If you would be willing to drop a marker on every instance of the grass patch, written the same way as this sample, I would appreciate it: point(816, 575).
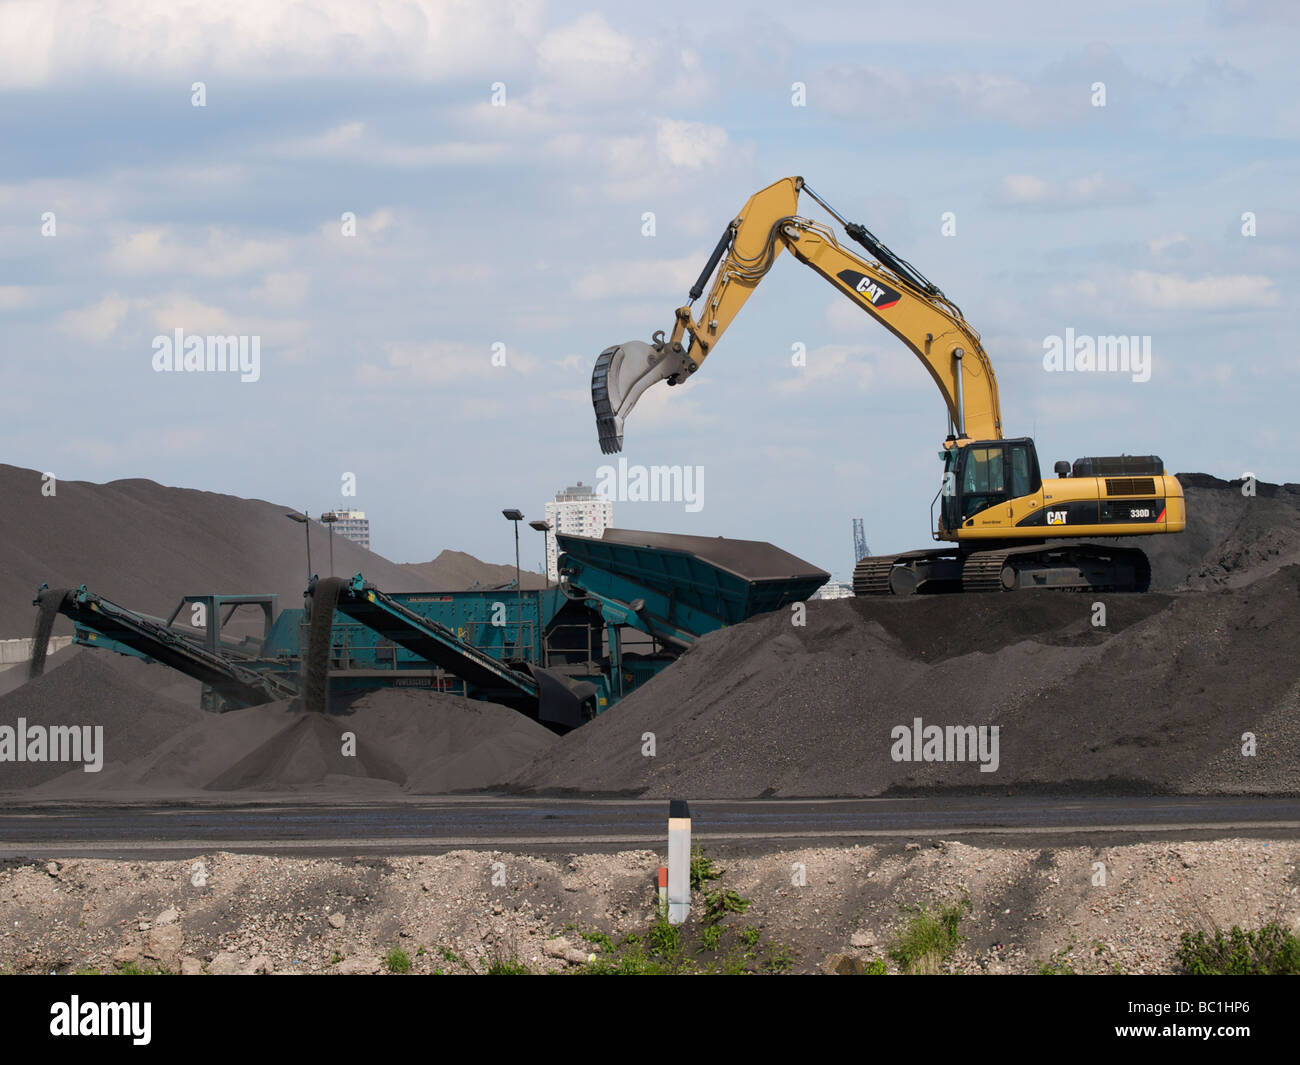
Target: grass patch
point(1271, 951)
point(508, 967)
point(702, 869)
point(130, 968)
point(929, 938)
point(717, 904)
point(667, 949)
point(398, 961)
point(711, 937)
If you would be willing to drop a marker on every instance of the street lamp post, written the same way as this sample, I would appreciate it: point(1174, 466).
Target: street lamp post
point(516, 515)
point(306, 524)
point(544, 527)
point(329, 519)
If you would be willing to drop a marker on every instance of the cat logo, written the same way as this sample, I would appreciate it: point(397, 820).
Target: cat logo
point(879, 295)
point(1056, 517)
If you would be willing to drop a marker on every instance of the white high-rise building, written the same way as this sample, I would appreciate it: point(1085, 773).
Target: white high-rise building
point(579, 511)
point(833, 590)
point(353, 525)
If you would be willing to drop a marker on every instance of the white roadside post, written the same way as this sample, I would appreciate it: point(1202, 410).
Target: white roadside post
point(679, 861)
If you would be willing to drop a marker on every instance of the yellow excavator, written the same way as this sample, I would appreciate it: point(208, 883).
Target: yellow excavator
point(1009, 527)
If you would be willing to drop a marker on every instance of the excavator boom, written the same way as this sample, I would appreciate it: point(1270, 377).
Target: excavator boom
point(887, 288)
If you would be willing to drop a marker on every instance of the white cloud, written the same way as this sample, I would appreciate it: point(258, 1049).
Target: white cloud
point(833, 368)
point(353, 142)
point(98, 321)
point(217, 254)
point(46, 41)
point(588, 65)
point(1149, 290)
point(1175, 244)
point(12, 297)
point(589, 50)
point(640, 277)
point(179, 310)
point(284, 289)
point(1169, 292)
point(1029, 190)
point(440, 362)
point(690, 144)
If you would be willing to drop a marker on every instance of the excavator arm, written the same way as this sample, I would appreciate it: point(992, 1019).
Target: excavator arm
point(884, 286)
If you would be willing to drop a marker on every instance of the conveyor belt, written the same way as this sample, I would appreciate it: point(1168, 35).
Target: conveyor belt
point(236, 683)
point(433, 642)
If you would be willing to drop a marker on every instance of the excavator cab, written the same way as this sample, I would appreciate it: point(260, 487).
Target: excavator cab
point(983, 474)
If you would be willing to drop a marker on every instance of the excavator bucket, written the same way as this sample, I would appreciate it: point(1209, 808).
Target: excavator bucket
point(622, 373)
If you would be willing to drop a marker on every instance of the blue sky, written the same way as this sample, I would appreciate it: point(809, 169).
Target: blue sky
point(522, 225)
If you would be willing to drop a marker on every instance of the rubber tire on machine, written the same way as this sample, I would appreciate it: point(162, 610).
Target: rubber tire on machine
point(50, 600)
point(316, 660)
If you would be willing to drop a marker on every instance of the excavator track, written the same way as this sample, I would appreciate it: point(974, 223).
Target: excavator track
point(871, 575)
point(981, 571)
point(1065, 567)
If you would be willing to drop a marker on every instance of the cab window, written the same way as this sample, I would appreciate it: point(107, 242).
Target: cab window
point(983, 470)
point(1020, 479)
point(983, 480)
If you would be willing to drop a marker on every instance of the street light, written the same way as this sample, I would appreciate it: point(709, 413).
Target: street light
point(329, 519)
point(544, 527)
point(516, 515)
point(302, 520)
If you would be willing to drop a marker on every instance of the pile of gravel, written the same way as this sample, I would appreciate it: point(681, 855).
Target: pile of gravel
point(454, 571)
point(1157, 701)
point(145, 545)
point(401, 741)
point(89, 688)
point(1231, 539)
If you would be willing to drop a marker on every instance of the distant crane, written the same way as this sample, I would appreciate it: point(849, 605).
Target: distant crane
point(860, 549)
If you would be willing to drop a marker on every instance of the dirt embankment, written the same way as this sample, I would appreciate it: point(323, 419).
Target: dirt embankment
point(1102, 909)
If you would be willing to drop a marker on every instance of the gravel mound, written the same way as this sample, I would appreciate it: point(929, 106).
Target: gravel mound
point(145, 545)
point(455, 571)
point(1230, 539)
point(90, 689)
point(1156, 702)
point(422, 743)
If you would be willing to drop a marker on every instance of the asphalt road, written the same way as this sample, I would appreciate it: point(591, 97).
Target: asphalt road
point(531, 825)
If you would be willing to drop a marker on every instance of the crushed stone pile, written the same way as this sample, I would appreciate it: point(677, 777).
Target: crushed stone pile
point(456, 571)
point(90, 689)
point(1156, 702)
point(145, 545)
point(403, 741)
point(1231, 538)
